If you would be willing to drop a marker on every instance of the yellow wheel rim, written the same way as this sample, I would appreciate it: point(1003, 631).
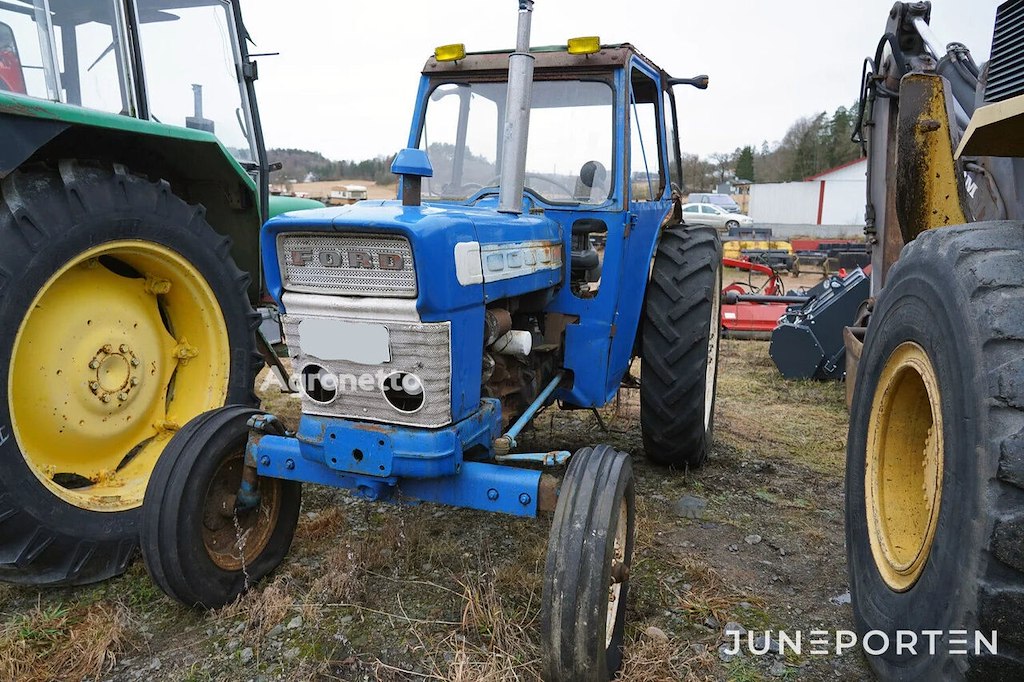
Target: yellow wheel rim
point(904, 461)
point(121, 347)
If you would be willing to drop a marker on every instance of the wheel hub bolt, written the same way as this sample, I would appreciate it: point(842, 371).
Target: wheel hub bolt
point(114, 373)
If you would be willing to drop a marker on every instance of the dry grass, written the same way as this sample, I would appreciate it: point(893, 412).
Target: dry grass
point(651, 660)
point(260, 609)
point(709, 594)
point(495, 642)
point(57, 642)
point(759, 411)
point(411, 593)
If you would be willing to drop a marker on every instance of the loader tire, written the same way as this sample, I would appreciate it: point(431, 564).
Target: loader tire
point(679, 347)
point(935, 458)
point(122, 316)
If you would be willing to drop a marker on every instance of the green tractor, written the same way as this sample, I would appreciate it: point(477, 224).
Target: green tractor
point(133, 182)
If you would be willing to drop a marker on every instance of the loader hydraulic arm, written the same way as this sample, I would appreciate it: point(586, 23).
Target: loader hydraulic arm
point(917, 98)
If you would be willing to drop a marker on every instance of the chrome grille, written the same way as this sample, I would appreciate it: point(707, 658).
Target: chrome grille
point(349, 265)
point(421, 348)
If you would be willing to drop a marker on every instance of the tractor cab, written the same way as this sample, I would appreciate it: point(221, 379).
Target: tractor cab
point(602, 149)
point(596, 140)
point(176, 62)
point(164, 87)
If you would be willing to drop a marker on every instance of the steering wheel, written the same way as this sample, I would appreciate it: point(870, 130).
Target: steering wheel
point(496, 181)
point(553, 183)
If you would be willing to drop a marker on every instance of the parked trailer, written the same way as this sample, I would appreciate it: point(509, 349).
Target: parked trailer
point(346, 194)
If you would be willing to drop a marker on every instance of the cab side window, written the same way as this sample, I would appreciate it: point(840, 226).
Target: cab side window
point(646, 173)
point(25, 67)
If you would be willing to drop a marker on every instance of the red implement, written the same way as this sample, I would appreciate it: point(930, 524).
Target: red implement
point(747, 319)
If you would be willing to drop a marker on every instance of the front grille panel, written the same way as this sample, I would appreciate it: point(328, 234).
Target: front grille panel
point(421, 348)
point(347, 265)
point(1006, 67)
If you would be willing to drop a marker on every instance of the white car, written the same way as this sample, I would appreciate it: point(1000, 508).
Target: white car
point(709, 214)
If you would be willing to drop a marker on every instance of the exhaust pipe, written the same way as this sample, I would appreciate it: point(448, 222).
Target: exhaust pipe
point(517, 116)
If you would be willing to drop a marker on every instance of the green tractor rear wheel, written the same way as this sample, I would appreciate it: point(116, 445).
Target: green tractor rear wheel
point(122, 316)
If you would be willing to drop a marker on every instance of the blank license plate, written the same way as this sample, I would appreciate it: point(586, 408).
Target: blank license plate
point(359, 342)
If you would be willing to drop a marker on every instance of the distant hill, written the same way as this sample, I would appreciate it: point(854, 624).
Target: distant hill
point(300, 164)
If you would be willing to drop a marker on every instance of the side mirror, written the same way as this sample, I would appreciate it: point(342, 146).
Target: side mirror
point(12, 77)
point(699, 82)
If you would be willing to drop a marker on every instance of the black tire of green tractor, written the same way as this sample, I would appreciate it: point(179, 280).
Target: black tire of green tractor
point(48, 216)
point(957, 292)
point(576, 645)
point(172, 522)
point(678, 341)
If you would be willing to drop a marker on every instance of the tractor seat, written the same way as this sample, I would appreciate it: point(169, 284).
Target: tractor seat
point(592, 185)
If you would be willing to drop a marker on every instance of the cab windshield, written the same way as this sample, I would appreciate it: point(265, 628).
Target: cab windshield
point(569, 157)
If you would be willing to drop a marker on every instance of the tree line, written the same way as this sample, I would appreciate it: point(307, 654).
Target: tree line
point(298, 165)
point(811, 145)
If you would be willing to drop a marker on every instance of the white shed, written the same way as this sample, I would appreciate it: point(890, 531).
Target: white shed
point(835, 197)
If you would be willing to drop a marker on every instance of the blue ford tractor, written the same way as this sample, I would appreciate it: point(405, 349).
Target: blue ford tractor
point(426, 333)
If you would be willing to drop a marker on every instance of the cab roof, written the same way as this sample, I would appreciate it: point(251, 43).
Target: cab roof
point(548, 57)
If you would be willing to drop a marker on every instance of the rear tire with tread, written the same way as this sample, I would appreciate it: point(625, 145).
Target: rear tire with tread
point(681, 314)
point(48, 216)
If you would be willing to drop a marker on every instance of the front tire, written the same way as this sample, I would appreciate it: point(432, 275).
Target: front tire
point(197, 547)
point(122, 316)
point(935, 456)
point(679, 349)
point(586, 577)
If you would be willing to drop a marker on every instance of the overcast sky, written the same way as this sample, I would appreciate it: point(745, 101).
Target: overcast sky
point(346, 78)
